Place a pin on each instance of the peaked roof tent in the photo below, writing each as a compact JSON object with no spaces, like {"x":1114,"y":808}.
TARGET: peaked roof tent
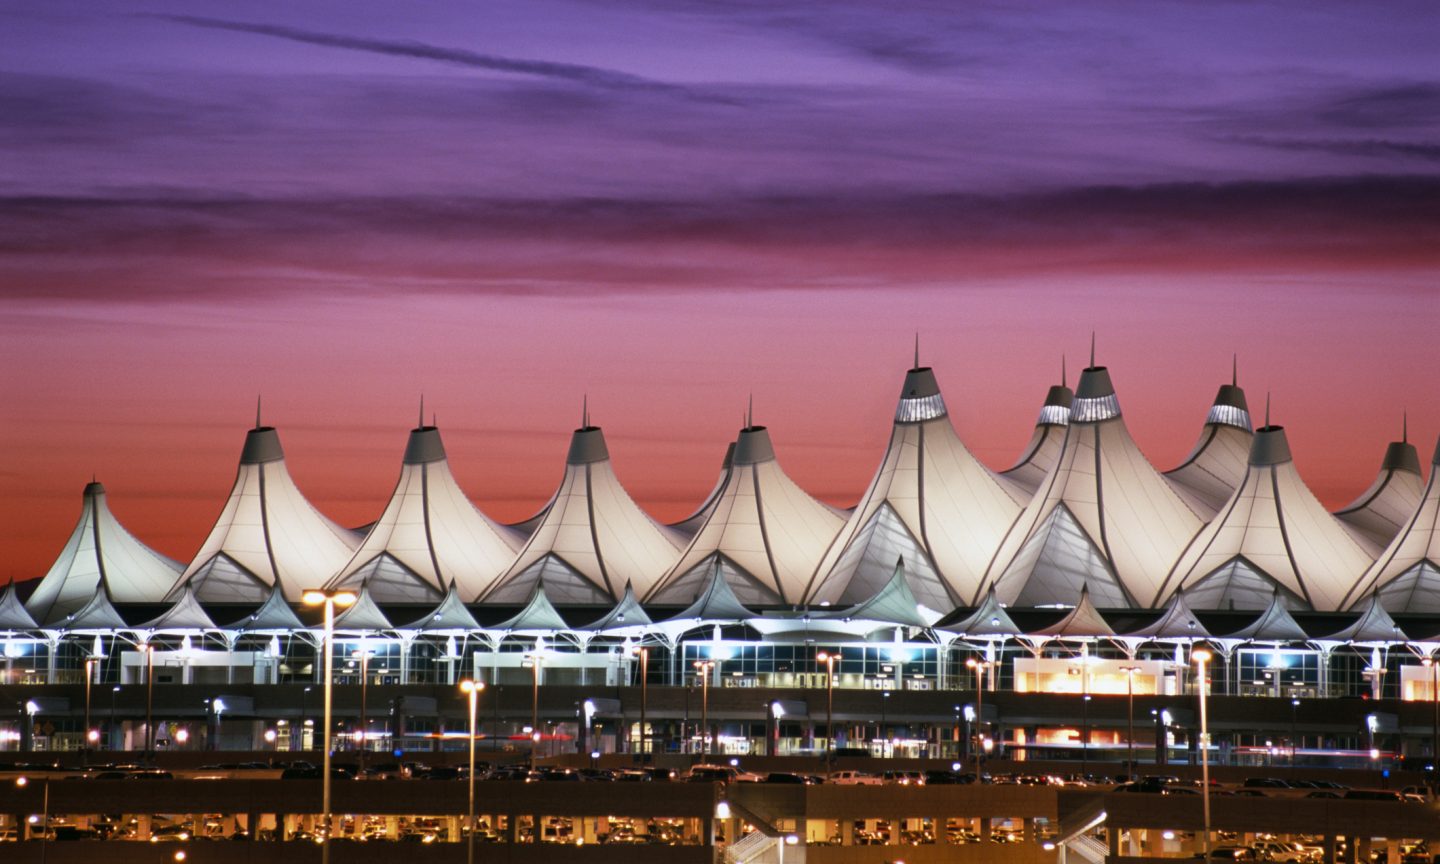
{"x":1082,"y":622}
{"x":931,"y":502}
{"x":98,"y":615}
{"x":1406,"y":576}
{"x":717,"y":604}
{"x":765,"y":533}
{"x":1377,"y":515}
{"x":363,"y":616}
{"x":184,"y":616}
{"x":274,"y":617}
{"x":690,"y":524}
{"x":894,"y":603}
{"x":1178,"y":622}
{"x":1103,"y":519}
{"x":266,"y":534}
{"x":1216,"y":465}
{"x":100,"y":549}
{"x":449,"y":616}
{"x":1273,"y":538}
{"x":1373,"y":627}
{"x":625,"y":618}
{"x":988,"y":619}
{"x":13,"y":615}
{"x":537,"y":618}
{"x":1275,"y":624}
{"x":430,"y":534}
{"x":1043,"y":451}
{"x":591,"y":538}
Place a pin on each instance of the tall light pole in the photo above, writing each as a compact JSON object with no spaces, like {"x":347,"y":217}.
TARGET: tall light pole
{"x":644,"y":653}
{"x":90,"y":736}
{"x":1294,"y":722}
{"x":703,"y":667}
{"x":110,"y":730}
{"x":471,"y":689}
{"x":304,"y":718}
{"x":21,"y":783}
{"x":979,"y":667}
{"x":534,"y":663}
{"x":149,"y":700}
{"x":829,"y":661}
{"x":364,"y":737}
{"x":1202,"y":657}
{"x":1434,"y":668}
{"x":1130,"y":715}
{"x":328,"y":599}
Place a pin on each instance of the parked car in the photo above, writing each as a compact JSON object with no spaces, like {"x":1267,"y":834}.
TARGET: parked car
{"x":855,"y":778}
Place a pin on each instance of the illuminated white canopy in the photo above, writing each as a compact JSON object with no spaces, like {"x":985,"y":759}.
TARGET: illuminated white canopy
{"x":893,"y":604}
{"x":1043,"y":451}
{"x":266,"y":534}
{"x":184,"y":616}
{"x":1272,"y":537}
{"x":690,"y":524}
{"x":448,"y":617}
{"x":1376,"y":516}
{"x":1407,"y":574}
{"x":101,"y":550}
{"x":989,"y":620}
{"x":625,"y":618}
{"x":429,"y":535}
{"x":931,"y":503}
{"x":98,"y":615}
{"x":765,"y":532}
{"x":274,"y":617}
{"x":591,"y":538}
{"x":1178,"y":623}
{"x":1274,"y":624}
{"x":538,"y":617}
{"x":13,"y":615}
{"x":1216,"y":466}
{"x":1102,"y":520}
{"x":362,"y":616}
{"x":1082,"y":622}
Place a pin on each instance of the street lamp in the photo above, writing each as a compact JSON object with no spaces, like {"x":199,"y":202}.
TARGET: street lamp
{"x":329,"y":600}
{"x":979,"y":667}
{"x":110,"y":729}
{"x":1202,"y":657}
{"x":149,"y":700}
{"x":1294,"y":720}
{"x":644,"y":654}
{"x":89,"y":737}
{"x":829,"y":661}
{"x":534,"y":663}
{"x":1434,"y":668}
{"x":21,"y":783}
{"x":364,"y":737}
{"x":1130,"y":714}
{"x":304,"y":717}
{"x":703,"y":667}
{"x":472,"y":690}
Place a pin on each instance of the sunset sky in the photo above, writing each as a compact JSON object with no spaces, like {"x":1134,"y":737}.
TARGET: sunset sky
{"x":669,"y":206}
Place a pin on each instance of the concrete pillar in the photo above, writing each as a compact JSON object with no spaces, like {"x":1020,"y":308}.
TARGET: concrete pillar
{"x":142,"y":826}
{"x":1112,"y":838}
{"x":1029,"y":828}
{"x":1328,"y":853}
{"x":942,"y":829}
{"x":1362,"y":848}
{"x":1392,"y":851}
{"x":893,"y":838}
{"x":452,"y":828}
{"x":847,"y":832}
{"x":984,"y":829}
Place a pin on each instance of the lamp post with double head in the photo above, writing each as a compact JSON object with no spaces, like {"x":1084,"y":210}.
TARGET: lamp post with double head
{"x":90,"y":736}
{"x":644,"y":654}
{"x":363,"y":736}
{"x":1202,"y":657}
{"x":472,"y":690}
{"x":329,"y":600}
{"x":702,"y":668}
{"x":1434,"y":667}
{"x":829,"y":660}
{"x":533,"y":662}
{"x":149,"y":650}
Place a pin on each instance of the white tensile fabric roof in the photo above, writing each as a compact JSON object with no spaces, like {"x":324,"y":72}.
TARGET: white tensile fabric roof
{"x":1272,"y":535}
{"x":267,"y":533}
{"x":1178,"y":623}
{"x":1216,"y":466}
{"x":98,"y":615}
{"x":690,"y":524}
{"x":1376,"y":516}
{"x":1275,"y":624}
{"x":766,"y":533}
{"x":988,"y":620}
{"x":100,"y":550}
{"x":429,"y":535}
{"x":931,"y":503}
{"x":184,"y":616}
{"x":1043,"y":450}
{"x":449,"y":616}
{"x":274,"y":617}
{"x":591,"y":539}
{"x":894,"y":603}
{"x":13,"y":614}
{"x":362,"y":616}
{"x":1407,"y":573}
{"x":1104,"y":519}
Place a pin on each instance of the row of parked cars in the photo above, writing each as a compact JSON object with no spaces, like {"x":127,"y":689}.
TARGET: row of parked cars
{"x":1273,"y":787}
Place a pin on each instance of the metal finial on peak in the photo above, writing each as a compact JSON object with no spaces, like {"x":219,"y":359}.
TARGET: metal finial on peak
{"x":750,"y":413}
{"x":1092,"y":349}
{"x":1405,"y":426}
{"x":917,"y":350}
{"x":1234,"y":370}
{"x":257,"y":410}
{"x":585,"y":411}
{"x":1267,"y":407}
{"x":433,"y":420}
{"x":1064,"y":376}
{"x":421,"y":421}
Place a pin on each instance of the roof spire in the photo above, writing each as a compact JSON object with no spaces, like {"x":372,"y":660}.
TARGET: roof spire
{"x":750,"y":412}
{"x":1405,"y":426}
{"x":1267,"y":408}
{"x":1234,"y":370}
{"x":421,"y":421}
{"x":917,"y":350}
{"x":433,"y":421}
{"x":1092,"y":349}
{"x":1064,"y":377}
{"x":585,"y":411}
{"x":257,"y":410}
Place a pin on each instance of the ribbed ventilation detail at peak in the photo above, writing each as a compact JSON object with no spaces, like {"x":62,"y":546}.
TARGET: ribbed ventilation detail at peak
{"x":1228,"y":415}
{"x":920,"y":409}
{"x":1054,"y":415}
{"x":1095,"y":409}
